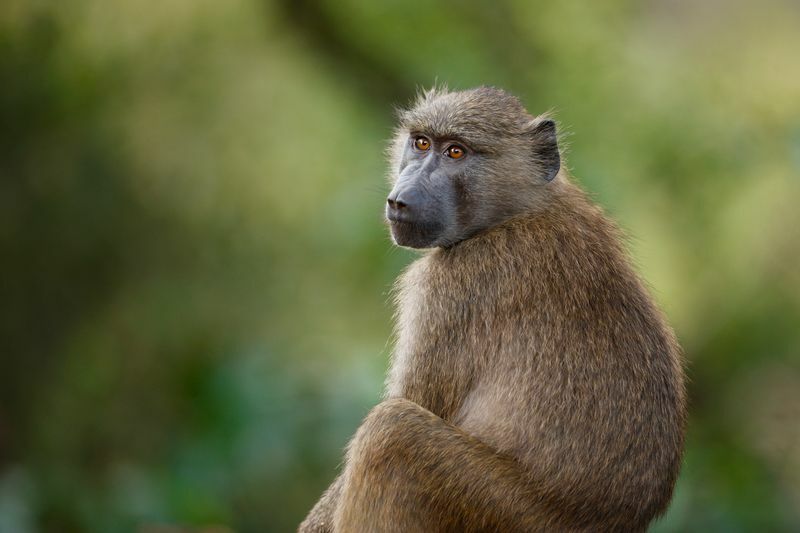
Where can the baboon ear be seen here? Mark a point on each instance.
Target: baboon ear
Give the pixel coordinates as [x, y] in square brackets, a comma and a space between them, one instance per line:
[542, 132]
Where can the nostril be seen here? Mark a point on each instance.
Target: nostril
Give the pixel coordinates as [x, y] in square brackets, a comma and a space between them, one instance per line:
[395, 203]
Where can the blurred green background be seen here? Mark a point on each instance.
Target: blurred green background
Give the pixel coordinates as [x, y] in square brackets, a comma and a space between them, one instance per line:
[194, 273]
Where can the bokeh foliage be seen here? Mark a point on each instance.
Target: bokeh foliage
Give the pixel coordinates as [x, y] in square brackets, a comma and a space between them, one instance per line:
[194, 292]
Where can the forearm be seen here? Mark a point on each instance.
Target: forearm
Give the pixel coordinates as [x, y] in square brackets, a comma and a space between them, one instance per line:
[320, 519]
[408, 470]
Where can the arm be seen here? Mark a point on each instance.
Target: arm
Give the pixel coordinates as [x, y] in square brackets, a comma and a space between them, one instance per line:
[320, 519]
[408, 470]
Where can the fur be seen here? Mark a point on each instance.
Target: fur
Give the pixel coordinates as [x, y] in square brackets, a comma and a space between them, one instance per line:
[534, 384]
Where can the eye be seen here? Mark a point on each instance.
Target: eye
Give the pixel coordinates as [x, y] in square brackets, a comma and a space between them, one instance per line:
[455, 152]
[422, 144]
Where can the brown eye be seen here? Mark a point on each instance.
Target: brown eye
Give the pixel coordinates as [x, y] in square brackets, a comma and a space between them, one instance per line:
[422, 144]
[455, 152]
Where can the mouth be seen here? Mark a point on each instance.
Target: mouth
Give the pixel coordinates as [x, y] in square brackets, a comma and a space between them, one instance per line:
[398, 217]
[413, 234]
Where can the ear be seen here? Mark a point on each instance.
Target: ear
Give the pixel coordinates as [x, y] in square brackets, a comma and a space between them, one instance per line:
[542, 133]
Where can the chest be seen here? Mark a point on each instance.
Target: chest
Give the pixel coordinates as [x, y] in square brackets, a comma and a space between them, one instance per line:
[440, 341]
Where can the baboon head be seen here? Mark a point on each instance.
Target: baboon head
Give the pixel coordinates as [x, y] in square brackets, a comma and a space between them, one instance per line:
[464, 161]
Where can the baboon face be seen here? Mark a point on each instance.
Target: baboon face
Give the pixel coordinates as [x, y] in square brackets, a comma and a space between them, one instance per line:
[465, 161]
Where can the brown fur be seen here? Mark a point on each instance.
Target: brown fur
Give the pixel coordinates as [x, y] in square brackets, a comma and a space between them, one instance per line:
[534, 384]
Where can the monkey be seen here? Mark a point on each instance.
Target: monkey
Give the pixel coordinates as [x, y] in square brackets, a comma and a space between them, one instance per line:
[534, 384]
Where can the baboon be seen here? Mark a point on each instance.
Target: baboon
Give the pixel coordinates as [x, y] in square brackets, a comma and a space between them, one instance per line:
[534, 384]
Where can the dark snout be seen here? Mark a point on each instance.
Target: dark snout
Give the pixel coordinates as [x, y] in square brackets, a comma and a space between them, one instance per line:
[402, 205]
[413, 215]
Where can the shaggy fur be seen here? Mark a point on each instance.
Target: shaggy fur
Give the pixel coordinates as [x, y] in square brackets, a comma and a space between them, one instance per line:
[534, 384]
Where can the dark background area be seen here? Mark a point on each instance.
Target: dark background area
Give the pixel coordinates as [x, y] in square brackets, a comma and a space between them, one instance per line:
[194, 273]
